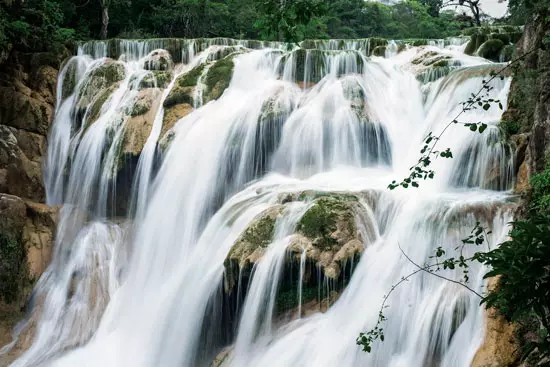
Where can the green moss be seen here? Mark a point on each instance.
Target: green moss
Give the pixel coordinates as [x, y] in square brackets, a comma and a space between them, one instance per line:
[13, 270]
[501, 36]
[110, 72]
[491, 49]
[416, 42]
[507, 53]
[379, 51]
[509, 127]
[95, 109]
[375, 42]
[288, 299]
[69, 81]
[476, 40]
[441, 63]
[179, 95]
[139, 109]
[218, 77]
[319, 222]
[156, 78]
[261, 233]
[190, 78]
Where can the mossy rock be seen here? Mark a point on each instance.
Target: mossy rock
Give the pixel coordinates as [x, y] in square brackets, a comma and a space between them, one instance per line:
[180, 95]
[191, 77]
[158, 60]
[326, 216]
[379, 51]
[156, 79]
[100, 81]
[139, 109]
[376, 42]
[416, 42]
[14, 274]
[507, 53]
[313, 59]
[69, 80]
[505, 38]
[476, 40]
[94, 110]
[218, 78]
[252, 243]
[109, 73]
[491, 49]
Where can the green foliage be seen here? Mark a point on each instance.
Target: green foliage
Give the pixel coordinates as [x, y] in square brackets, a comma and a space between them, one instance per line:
[288, 20]
[540, 191]
[523, 267]
[490, 49]
[509, 127]
[12, 270]
[33, 25]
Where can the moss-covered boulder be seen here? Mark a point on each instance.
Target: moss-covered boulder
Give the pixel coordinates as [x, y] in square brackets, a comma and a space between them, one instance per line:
[490, 49]
[475, 42]
[375, 42]
[218, 78]
[156, 79]
[379, 51]
[507, 53]
[158, 60]
[308, 65]
[505, 38]
[98, 86]
[184, 87]
[140, 122]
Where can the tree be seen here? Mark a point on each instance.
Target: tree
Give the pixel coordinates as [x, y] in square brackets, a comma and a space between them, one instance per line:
[473, 5]
[434, 6]
[286, 20]
[105, 4]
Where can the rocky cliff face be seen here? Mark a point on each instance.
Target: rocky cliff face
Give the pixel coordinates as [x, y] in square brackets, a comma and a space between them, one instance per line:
[27, 226]
[527, 123]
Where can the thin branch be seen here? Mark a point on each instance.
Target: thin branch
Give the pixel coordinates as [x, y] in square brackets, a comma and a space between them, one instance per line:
[425, 268]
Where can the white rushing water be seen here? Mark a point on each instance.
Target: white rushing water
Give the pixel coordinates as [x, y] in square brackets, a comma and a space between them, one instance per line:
[140, 270]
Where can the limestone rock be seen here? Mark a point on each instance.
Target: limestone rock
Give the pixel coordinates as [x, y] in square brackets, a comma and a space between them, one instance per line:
[139, 125]
[20, 163]
[38, 236]
[158, 60]
[500, 347]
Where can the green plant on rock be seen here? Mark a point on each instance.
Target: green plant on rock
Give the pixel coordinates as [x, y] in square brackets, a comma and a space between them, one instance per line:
[218, 77]
[490, 49]
[261, 233]
[319, 221]
[12, 268]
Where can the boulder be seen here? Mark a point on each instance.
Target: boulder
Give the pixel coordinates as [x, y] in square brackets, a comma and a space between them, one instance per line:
[158, 60]
[142, 117]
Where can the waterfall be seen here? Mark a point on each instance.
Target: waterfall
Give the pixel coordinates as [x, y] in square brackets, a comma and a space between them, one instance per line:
[225, 203]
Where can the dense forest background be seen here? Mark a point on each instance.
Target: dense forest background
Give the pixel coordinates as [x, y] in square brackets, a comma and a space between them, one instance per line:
[38, 25]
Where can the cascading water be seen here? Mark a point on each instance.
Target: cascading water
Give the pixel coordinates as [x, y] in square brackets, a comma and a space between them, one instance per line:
[258, 174]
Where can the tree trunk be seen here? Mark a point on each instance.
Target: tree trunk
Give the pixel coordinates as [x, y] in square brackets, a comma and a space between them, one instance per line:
[475, 12]
[104, 21]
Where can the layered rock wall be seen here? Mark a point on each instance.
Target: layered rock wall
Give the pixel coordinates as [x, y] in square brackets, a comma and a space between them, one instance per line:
[27, 225]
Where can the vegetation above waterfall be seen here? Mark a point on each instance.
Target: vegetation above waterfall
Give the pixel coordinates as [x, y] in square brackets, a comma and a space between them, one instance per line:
[44, 25]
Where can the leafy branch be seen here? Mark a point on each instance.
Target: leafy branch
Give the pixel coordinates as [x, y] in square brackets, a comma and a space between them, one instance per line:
[428, 152]
[477, 237]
